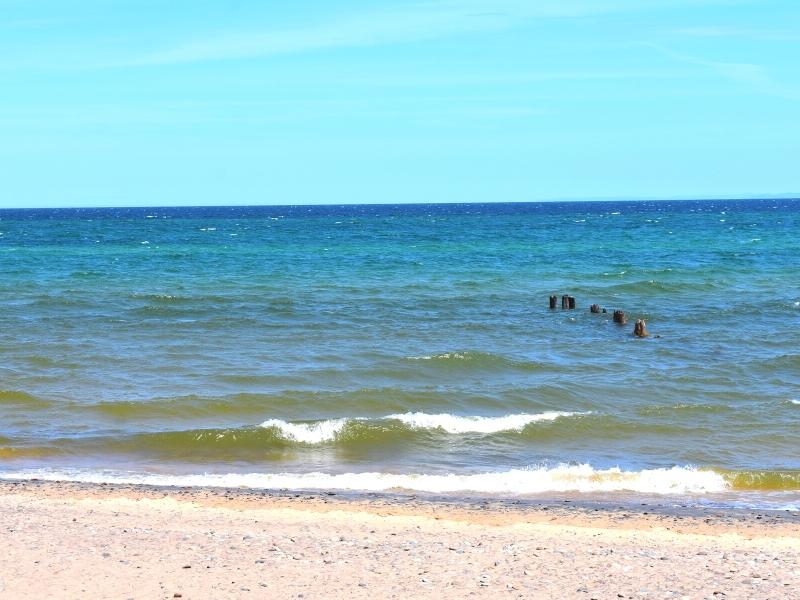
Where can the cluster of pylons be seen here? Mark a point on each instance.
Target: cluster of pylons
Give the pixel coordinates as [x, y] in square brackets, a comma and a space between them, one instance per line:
[568, 303]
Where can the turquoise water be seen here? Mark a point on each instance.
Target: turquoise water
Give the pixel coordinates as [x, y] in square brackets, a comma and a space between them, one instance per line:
[410, 347]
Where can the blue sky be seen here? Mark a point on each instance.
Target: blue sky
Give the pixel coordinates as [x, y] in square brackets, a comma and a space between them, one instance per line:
[111, 102]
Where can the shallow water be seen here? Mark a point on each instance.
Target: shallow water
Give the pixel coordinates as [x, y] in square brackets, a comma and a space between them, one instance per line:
[363, 346]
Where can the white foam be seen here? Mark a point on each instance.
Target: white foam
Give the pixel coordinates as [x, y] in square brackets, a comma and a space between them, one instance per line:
[563, 478]
[308, 433]
[793, 401]
[328, 430]
[443, 356]
[456, 424]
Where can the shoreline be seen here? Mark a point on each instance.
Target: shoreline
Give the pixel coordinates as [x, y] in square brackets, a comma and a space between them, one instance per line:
[65, 539]
[494, 509]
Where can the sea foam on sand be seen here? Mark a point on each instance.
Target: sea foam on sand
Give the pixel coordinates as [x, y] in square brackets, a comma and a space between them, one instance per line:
[562, 478]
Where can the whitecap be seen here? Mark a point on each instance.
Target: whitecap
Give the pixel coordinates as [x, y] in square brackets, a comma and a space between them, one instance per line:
[308, 433]
[473, 424]
[318, 432]
[442, 356]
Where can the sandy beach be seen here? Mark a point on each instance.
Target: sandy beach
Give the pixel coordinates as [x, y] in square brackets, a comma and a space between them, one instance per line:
[67, 540]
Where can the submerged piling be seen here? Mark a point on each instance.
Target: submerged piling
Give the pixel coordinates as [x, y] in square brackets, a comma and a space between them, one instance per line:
[568, 303]
[640, 328]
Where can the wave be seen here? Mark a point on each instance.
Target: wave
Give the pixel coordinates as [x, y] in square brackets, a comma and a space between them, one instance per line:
[160, 298]
[12, 397]
[333, 429]
[455, 424]
[763, 480]
[683, 408]
[167, 310]
[49, 362]
[368, 400]
[654, 286]
[278, 435]
[775, 364]
[794, 401]
[11, 452]
[477, 360]
[189, 444]
[193, 406]
[165, 298]
[308, 433]
[253, 443]
[563, 478]
[64, 300]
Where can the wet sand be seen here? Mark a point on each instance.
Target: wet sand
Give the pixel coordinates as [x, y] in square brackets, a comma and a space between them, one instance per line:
[67, 540]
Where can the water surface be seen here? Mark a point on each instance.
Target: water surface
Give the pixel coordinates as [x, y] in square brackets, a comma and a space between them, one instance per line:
[406, 347]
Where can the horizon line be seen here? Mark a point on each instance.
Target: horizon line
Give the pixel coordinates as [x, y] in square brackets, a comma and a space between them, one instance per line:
[726, 198]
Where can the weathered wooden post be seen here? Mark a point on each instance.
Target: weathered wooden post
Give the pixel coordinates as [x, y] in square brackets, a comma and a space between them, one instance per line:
[553, 301]
[640, 329]
[595, 309]
[619, 317]
[564, 302]
[571, 301]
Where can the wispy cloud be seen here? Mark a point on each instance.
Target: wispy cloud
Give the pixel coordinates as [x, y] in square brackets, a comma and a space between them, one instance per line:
[755, 76]
[368, 29]
[723, 31]
[517, 78]
[418, 21]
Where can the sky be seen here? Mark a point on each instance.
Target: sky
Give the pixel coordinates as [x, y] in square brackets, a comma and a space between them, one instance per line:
[192, 102]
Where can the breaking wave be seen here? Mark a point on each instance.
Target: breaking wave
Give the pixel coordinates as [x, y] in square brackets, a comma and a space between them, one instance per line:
[308, 433]
[330, 430]
[455, 424]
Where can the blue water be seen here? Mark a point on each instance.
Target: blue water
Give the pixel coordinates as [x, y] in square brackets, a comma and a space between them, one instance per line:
[321, 341]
